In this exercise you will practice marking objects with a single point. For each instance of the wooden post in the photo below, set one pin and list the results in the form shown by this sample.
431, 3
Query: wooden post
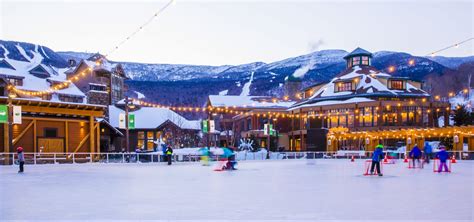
6, 138
98, 137
35, 149
91, 134
66, 127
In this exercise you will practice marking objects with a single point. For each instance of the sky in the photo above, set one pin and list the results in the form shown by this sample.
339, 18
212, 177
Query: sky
237, 32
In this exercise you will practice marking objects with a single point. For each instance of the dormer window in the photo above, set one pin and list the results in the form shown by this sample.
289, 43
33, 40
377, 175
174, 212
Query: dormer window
40, 72
356, 61
397, 84
343, 87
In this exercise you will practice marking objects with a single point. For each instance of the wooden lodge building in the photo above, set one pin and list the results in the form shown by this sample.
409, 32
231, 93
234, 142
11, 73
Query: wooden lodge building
65, 120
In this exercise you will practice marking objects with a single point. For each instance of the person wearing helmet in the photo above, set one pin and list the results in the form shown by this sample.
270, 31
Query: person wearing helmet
21, 158
376, 157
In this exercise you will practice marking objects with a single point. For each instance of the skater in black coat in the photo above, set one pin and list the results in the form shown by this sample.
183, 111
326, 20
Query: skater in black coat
21, 158
169, 153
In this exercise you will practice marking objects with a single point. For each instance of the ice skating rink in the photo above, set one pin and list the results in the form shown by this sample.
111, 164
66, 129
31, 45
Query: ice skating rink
277, 190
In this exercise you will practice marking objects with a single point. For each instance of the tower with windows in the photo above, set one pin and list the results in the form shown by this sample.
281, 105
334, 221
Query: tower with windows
358, 57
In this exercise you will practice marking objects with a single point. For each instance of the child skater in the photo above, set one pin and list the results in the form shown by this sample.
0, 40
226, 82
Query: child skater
443, 156
376, 157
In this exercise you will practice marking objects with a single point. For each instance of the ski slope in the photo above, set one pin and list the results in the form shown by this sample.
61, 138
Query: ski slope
272, 189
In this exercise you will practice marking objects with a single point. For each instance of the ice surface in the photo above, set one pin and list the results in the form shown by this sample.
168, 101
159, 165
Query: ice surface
278, 189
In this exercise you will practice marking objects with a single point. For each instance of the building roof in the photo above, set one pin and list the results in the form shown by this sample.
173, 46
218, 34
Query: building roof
367, 85
358, 52
21, 70
152, 118
247, 102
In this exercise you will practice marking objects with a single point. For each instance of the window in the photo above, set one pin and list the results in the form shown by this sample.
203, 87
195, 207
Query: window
97, 87
365, 60
343, 86
356, 61
397, 84
146, 140
15, 82
50, 132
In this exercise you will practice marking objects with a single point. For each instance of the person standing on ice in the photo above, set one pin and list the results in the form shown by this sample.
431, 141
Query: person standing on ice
415, 154
376, 157
169, 153
443, 156
21, 158
428, 150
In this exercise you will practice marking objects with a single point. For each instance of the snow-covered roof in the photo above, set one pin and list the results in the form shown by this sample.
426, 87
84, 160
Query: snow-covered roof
247, 102
358, 51
151, 118
367, 84
22, 70
335, 102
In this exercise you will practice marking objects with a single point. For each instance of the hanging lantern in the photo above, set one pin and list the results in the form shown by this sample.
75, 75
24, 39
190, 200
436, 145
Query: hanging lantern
329, 142
456, 139
409, 140
367, 140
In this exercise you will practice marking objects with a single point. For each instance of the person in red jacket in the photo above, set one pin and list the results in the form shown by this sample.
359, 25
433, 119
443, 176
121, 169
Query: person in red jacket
21, 158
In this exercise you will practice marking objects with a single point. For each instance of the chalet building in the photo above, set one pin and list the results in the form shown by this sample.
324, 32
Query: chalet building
154, 126
60, 121
361, 98
103, 82
252, 113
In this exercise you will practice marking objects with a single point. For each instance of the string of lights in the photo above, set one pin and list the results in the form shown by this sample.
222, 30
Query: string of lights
79, 76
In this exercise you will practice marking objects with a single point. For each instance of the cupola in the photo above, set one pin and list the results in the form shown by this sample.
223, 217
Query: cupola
358, 57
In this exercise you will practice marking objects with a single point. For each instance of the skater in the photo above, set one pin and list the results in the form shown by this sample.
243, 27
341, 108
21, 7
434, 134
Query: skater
415, 154
231, 161
443, 156
169, 153
21, 158
428, 151
376, 157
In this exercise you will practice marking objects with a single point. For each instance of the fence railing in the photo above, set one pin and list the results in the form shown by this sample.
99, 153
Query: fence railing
72, 158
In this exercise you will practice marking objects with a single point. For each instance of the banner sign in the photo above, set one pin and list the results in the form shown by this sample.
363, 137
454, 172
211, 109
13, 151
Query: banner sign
212, 126
205, 126
3, 114
16, 114
122, 121
131, 121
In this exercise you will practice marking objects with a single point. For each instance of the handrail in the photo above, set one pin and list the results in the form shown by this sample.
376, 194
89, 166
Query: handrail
46, 158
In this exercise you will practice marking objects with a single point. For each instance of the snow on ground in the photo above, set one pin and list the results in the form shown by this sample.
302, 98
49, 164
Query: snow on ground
139, 95
280, 190
246, 87
223, 92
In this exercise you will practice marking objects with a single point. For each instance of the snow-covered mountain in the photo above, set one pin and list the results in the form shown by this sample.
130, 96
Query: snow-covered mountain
191, 84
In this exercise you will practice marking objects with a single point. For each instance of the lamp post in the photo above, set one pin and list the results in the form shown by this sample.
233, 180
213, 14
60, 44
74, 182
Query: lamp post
11, 95
128, 102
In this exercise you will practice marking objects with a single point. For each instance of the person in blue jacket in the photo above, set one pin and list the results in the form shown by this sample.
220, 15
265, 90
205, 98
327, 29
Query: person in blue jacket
443, 156
428, 152
376, 157
415, 154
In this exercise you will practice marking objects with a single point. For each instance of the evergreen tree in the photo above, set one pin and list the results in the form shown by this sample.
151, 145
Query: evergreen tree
462, 117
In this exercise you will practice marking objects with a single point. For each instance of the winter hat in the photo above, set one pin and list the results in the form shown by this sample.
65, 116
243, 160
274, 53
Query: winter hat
19, 149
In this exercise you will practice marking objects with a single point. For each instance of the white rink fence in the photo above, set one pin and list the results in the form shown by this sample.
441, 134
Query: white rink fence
76, 158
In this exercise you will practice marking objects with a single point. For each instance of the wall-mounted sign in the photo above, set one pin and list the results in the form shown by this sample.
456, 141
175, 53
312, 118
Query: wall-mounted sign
3, 114
16, 114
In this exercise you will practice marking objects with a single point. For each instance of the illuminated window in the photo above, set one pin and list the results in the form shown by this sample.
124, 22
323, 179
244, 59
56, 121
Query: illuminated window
397, 84
365, 60
343, 86
355, 61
